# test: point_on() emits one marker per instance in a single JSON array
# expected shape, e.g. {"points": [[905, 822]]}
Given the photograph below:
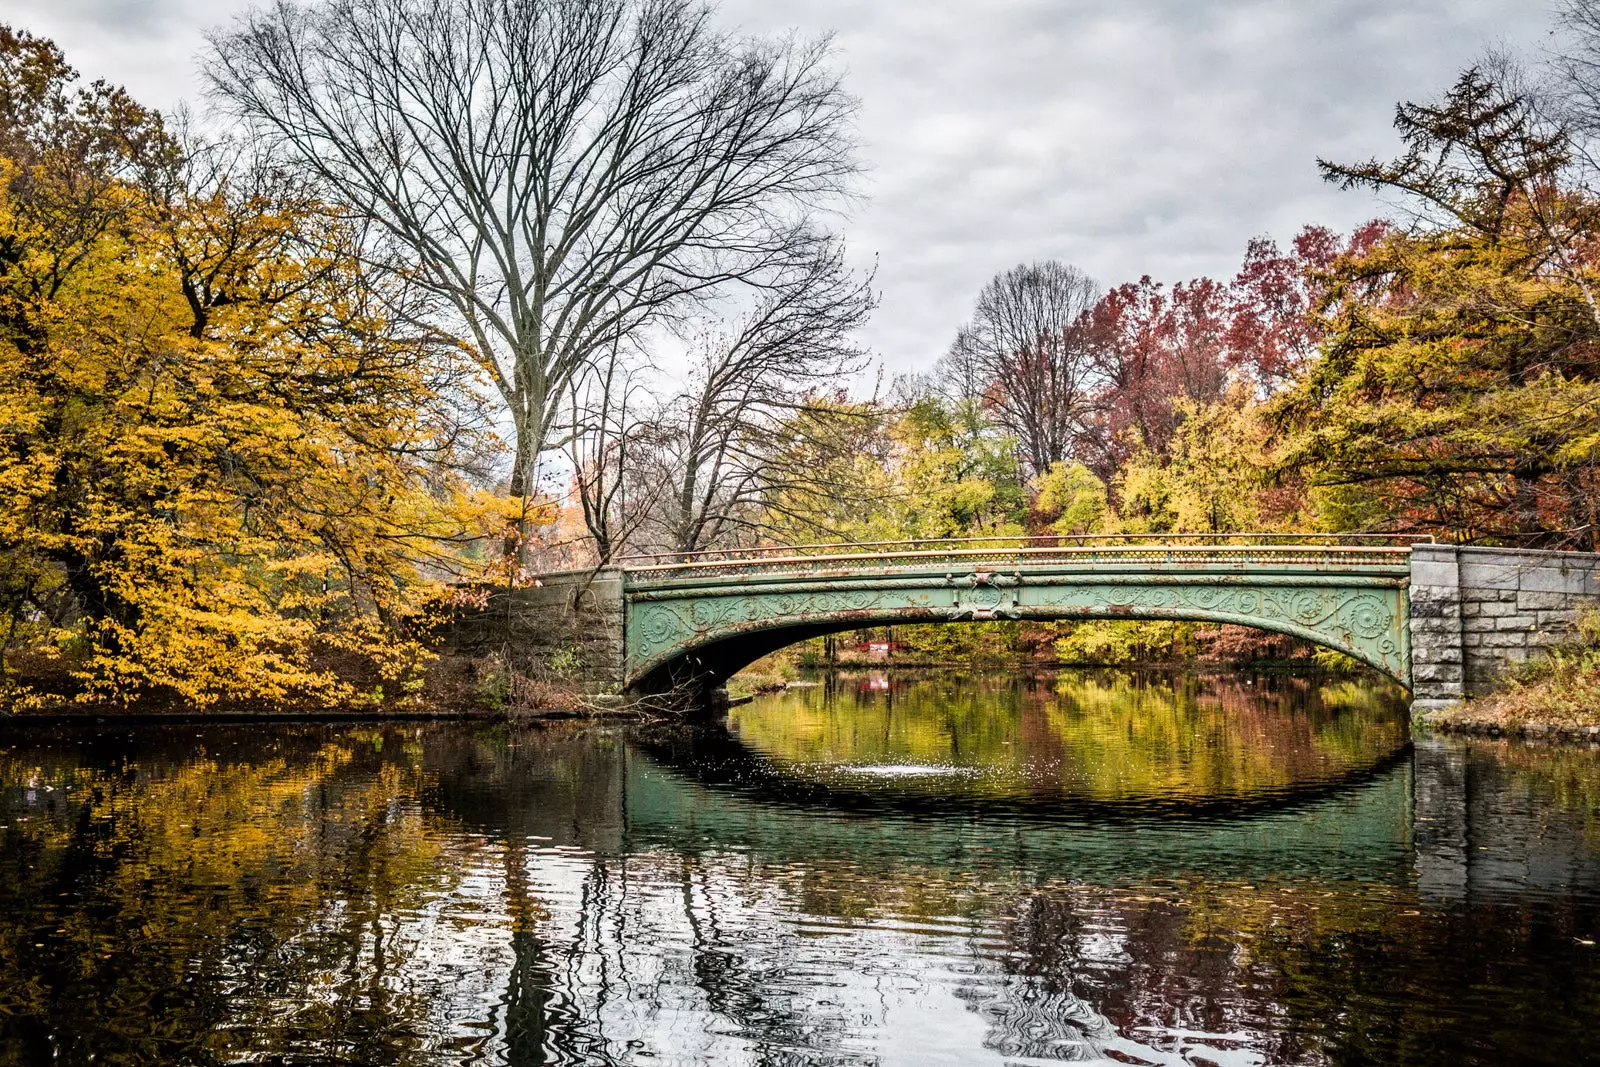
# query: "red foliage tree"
{"points": [[1272, 332], [1154, 346]]}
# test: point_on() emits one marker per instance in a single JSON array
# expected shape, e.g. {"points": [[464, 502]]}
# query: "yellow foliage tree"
{"points": [[1218, 476], [1070, 498], [1458, 388], [224, 459]]}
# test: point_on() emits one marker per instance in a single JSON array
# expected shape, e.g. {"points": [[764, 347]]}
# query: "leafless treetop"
{"points": [[562, 172]]}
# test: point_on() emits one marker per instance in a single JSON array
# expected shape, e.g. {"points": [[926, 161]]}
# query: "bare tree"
{"points": [[561, 172], [1027, 351], [957, 377], [610, 434], [747, 430], [1573, 93]]}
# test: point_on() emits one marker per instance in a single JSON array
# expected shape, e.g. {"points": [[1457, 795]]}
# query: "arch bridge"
{"points": [[696, 620], [1442, 620]]}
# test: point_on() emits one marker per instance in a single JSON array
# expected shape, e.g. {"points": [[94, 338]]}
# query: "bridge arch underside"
{"points": [[696, 637]]}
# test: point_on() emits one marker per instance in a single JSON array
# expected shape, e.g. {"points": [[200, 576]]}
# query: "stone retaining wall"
{"points": [[1477, 611], [576, 614]]}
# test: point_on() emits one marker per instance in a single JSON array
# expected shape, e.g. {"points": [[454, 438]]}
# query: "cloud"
{"points": [[149, 46], [1154, 136], [1146, 136]]}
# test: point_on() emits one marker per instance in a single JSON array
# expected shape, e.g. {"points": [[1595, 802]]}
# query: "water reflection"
{"points": [[1106, 745], [1102, 735], [469, 894]]}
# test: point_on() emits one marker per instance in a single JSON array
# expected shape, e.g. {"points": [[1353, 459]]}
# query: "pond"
{"points": [[878, 869]]}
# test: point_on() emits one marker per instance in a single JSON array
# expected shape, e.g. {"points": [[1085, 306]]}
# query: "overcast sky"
{"points": [[1126, 136]]}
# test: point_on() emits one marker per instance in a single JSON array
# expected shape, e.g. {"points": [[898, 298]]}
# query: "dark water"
{"points": [[976, 871]]}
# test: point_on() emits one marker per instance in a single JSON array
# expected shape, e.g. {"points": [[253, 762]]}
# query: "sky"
{"points": [[1128, 137]]}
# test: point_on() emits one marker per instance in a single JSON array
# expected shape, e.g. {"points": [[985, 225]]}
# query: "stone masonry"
{"points": [[1477, 611], [574, 616]]}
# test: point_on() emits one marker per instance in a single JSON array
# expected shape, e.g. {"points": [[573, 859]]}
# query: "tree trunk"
{"points": [[524, 484], [1525, 498]]}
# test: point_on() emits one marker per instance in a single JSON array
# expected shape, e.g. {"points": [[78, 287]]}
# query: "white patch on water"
{"points": [[906, 770]]}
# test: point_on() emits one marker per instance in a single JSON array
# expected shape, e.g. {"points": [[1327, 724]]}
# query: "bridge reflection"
{"points": [[1357, 823], [719, 759]]}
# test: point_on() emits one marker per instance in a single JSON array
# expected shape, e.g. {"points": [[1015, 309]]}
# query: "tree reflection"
{"points": [[1099, 736], [176, 910], [542, 1025]]}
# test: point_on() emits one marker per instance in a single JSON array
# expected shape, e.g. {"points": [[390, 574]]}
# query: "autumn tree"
{"points": [[1070, 499], [1217, 475], [1273, 330], [1458, 389], [953, 481], [562, 173], [226, 468], [1027, 355], [1153, 348]]}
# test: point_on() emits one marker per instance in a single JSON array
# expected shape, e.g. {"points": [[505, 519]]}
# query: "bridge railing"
{"points": [[1331, 551]]}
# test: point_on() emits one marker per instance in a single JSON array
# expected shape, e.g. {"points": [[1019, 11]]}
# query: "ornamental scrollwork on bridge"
{"points": [[668, 625], [1358, 620], [1364, 619]]}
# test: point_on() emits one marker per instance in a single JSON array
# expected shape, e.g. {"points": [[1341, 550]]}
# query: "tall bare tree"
{"points": [[743, 434], [1027, 350], [561, 172]]}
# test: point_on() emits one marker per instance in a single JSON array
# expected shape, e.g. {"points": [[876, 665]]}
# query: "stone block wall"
{"points": [[570, 616], [1477, 611]]}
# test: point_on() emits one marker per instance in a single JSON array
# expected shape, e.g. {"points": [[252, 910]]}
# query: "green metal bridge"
{"points": [[1442, 620], [695, 620]]}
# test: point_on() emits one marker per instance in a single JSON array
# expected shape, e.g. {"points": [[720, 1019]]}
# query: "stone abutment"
{"points": [[1476, 612], [567, 629]]}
